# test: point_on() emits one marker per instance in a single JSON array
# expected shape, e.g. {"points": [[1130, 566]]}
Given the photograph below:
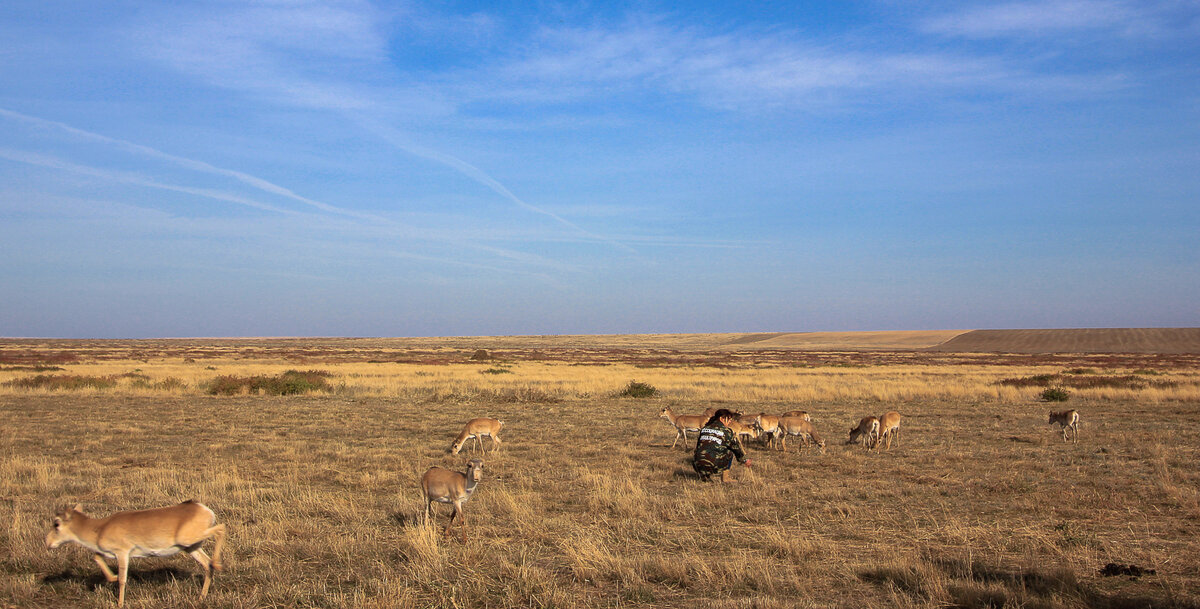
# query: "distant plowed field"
{"points": [[1100, 340]]}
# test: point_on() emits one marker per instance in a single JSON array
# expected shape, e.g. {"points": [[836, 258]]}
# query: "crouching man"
{"points": [[717, 448]]}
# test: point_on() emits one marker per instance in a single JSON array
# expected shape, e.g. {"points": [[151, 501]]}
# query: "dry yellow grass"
{"points": [[981, 505], [541, 381]]}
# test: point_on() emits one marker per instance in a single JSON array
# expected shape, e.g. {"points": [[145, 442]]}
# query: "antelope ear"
{"points": [[78, 508]]}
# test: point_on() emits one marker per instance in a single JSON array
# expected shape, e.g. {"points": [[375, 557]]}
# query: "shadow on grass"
{"points": [[95, 579], [973, 585], [403, 519]]}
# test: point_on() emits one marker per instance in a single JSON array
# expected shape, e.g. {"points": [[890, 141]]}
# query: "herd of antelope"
{"points": [[185, 527]]}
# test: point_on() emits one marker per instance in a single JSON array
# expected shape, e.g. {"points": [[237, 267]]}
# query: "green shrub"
{"points": [[291, 382], [1055, 394], [496, 371], [638, 390]]}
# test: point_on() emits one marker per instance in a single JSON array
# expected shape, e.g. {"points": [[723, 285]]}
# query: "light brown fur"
{"points": [[684, 423], [768, 424], [1068, 420], [743, 431], [798, 426], [889, 427], [135, 534], [476, 429], [867, 430], [446, 486]]}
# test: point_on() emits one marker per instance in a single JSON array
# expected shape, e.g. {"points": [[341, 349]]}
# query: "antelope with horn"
{"points": [[136, 534], [445, 486], [476, 429]]}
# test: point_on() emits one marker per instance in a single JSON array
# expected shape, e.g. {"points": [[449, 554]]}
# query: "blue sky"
{"points": [[286, 168]]}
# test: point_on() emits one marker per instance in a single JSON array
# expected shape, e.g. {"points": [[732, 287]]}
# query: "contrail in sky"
{"points": [[245, 178], [30, 158], [393, 137]]}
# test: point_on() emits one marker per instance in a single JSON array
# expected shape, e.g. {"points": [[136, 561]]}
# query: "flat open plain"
{"points": [[586, 505]]}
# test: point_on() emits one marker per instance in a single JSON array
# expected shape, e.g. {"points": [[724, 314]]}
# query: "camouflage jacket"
{"points": [[716, 441]]}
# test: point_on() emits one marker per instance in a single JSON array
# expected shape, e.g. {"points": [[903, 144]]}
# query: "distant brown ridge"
{"points": [[1087, 340]]}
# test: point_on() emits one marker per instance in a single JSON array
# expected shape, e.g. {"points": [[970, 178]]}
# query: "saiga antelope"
{"points": [[742, 431], [477, 428], [445, 486], [797, 426], [769, 425], [889, 426], [797, 413], [156, 532], [1067, 419], [868, 430], [684, 423]]}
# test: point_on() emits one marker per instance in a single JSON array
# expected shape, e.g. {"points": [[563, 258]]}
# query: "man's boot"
{"points": [[727, 476]]}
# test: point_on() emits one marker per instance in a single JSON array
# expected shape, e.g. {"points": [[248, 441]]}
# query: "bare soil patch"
{"points": [[1100, 340]]}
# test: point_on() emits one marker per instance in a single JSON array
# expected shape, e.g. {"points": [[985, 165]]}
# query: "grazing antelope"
{"points": [[796, 426], [797, 413], [156, 532], [889, 426], [684, 423], [1067, 419], [444, 486], [742, 431], [477, 428], [768, 424], [868, 430]]}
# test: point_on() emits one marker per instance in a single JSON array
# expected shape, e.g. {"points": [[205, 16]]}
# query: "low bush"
{"points": [[291, 382], [637, 390], [496, 371], [1055, 394]]}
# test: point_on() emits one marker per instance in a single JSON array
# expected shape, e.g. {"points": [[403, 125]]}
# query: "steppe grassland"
{"points": [[557, 380], [981, 505]]}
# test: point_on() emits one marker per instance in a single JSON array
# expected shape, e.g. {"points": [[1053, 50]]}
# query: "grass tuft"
{"points": [[63, 382]]}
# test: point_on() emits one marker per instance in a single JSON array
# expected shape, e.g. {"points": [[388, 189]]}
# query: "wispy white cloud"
{"points": [[253, 57], [1044, 18], [741, 70], [297, 52]]}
